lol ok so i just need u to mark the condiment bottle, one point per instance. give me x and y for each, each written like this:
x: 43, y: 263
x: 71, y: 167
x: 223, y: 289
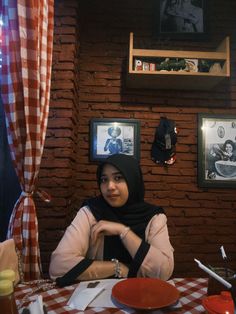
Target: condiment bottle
x: 7, y: 298
x: 8, y: 274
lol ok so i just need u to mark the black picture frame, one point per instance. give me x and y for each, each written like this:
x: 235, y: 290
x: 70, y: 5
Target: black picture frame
x: 126, y: 142
x: 216, y: 138
x: 173, y: 21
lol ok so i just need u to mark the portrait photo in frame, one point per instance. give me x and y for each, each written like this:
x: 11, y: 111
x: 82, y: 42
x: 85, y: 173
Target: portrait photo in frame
x: 216, y: 150
x: 112, y: 136
x: 182, y: 19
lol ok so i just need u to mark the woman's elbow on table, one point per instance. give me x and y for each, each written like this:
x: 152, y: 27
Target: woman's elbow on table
x: 60, y: 264
x: 167, y: 265
x: 158, y: 265
x: 167, y: 270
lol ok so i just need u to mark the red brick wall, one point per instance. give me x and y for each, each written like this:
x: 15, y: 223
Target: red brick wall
x: 88, y: 81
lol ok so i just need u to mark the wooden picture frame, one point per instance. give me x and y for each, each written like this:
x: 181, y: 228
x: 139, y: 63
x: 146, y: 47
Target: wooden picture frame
x: 182, y: 20
x: 110, y: 136
x: 216, y: 150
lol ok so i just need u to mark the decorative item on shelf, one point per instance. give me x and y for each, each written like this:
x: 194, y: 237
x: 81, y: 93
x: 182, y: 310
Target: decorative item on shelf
x: 146, y: 66
x: 171, y: 64
x: 204, y: 65
x: 138, y: 65
x: 191, y: 65
x: 152, y: 66
x: 215, y: 68
x: 177, y: 64
x: 164, y: 65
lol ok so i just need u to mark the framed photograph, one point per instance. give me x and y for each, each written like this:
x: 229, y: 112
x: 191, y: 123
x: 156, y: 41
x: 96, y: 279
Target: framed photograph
x: 114, y: 136
x: 182, y: 19
x: 216, y: 150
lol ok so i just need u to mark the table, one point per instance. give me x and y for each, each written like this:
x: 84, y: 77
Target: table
x: 192, y: 291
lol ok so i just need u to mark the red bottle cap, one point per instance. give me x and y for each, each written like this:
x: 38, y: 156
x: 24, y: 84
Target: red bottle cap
x: 219, y: 304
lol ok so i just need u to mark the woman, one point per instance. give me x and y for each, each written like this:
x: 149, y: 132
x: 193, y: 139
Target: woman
x: 229, y: 151
x: 116, y: 234
x: 114, y: 144
x: 226, y: 152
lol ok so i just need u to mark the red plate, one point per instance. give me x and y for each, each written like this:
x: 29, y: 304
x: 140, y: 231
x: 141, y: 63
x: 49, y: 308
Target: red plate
x: 145, y: 293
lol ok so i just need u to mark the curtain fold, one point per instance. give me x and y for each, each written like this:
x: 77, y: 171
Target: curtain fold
x: 27, y: 41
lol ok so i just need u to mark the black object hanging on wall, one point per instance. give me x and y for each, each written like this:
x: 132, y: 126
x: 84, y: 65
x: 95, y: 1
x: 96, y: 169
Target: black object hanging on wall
x: 163, y: 150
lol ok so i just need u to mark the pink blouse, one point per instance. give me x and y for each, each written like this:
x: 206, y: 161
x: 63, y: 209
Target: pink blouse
x: 75, y: 245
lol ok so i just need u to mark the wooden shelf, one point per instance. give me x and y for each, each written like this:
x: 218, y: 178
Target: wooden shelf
x: 178, y: 79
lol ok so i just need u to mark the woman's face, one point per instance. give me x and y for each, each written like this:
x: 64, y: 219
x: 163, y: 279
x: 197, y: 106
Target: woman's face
x: 114, y: 133
x: 113, y: 186
x: 228, y: 148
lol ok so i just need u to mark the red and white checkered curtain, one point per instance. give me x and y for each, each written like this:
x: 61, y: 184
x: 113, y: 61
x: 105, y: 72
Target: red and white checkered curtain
x: 27, y: 40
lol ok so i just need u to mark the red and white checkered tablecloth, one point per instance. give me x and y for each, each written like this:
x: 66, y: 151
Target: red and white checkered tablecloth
x: 192, y: 291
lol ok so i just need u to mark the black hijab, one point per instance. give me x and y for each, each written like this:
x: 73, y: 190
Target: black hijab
x: 136, y: 213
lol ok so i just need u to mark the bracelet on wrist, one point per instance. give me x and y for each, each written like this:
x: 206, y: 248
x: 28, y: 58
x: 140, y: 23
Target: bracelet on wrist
x: 117, y: 268
x: 124, y: 233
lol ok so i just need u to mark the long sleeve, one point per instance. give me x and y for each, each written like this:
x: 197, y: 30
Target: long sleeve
x: 159, y: 261
x: 74, y: 244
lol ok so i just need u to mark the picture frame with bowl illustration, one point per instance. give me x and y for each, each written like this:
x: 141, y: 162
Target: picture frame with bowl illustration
x: 114, y: 136
x: 216, y: 150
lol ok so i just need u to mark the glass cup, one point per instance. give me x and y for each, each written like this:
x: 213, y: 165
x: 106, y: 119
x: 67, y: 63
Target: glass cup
x: 214, y: 286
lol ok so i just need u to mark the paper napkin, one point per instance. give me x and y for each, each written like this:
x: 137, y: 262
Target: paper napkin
x: 35, y: 307
x: 81, y: 299
x: 100, y: 296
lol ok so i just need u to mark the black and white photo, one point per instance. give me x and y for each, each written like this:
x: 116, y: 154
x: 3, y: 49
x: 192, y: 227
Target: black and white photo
x: 114, y: 136
x: 216, y: 150
x: 183, y: 19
